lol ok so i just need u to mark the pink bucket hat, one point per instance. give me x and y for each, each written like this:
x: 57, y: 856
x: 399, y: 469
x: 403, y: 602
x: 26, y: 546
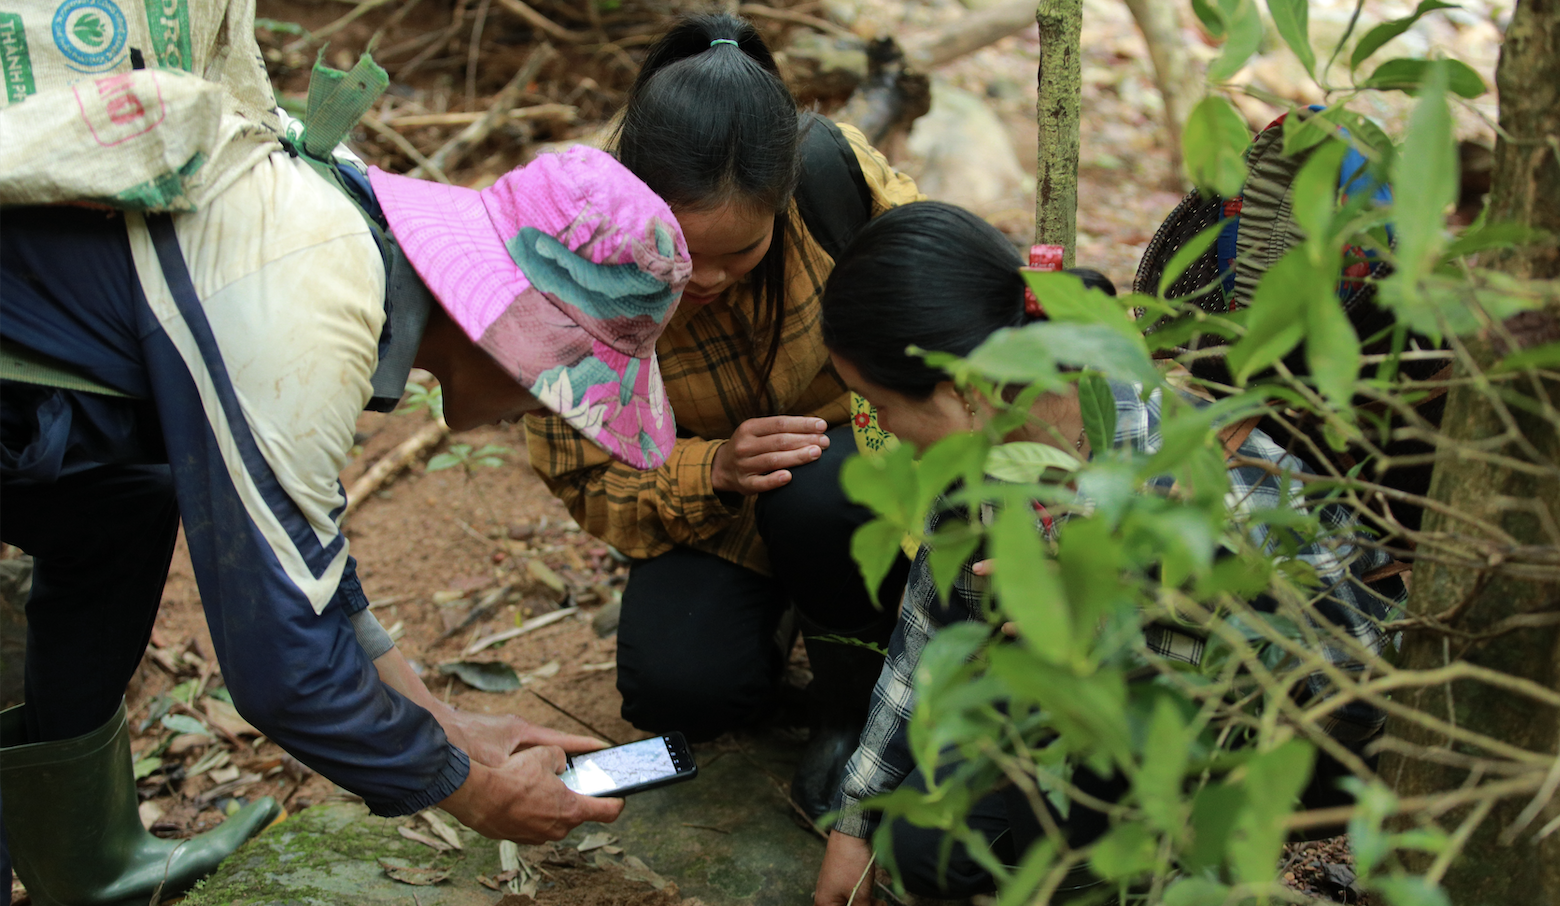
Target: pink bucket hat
x: 564, y: 271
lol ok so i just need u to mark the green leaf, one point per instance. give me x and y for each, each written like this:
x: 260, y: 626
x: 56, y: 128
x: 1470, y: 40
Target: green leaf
x: 1410, y: 75
x: 1028, y: 354
x: 948, y: 551
x: 1244, y: 37
x: 1023, y: 462
x: 1065, y: 298
x: 1273, y: 783
x: 1315, y: 195
x: 1424, y: 185
x: 886, y: 484
x: 1410, y: 890
x: 1098, y: 404
x: 1211, y: 17
x: 1189, y: 252
x: 1214, y: 810
x: 488, y: 676
x: 955, y: 457
x: 1196, y: 892
x: 444, y: 461
x: 1127, y: 851
x: 1292, y: 18
x: 1158, y: 779
x: 1278, y: 310
x: 1332, y: 350
x: 1545, y: 356
x: 875, y: 546
x: 1213, y: 144
x: 1386, y: 31
x: 183, y: 723
x: 1027, y: 586
x: 145, y: 766
x: 1493, y: 236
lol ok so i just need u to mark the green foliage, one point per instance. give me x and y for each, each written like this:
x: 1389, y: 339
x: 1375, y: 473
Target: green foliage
x: 1411, y: 76
x: 420, y: 398
x: 489, y: 456
x: 1213, y: 144
x: 1213, y: 754
x: 1292, y: 18
x: 1386, y: 31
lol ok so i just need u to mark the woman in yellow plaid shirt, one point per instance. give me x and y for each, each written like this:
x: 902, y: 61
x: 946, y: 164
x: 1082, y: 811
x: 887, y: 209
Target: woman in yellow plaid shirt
x: 746, y: 515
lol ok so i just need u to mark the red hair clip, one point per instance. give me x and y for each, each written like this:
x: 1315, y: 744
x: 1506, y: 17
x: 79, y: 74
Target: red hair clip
x: 1045, y: 259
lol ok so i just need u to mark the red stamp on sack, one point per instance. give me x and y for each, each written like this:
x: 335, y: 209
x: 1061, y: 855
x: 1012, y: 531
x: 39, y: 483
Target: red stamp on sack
x: 116, y: 109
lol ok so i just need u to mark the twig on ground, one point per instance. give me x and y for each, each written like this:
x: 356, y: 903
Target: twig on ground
x: 567, y: 113
x: 456, y: 149
x: 784, y: 15
x: 474, y: 51
x: 542, y: 23
x: 404, y: 146
x: 531, y: 625
x: 393, y: 462
x: 392, y: 22
x: 442, y: 38
x: 480, y: 610
x: 357, y: 12
x: 571, y: 716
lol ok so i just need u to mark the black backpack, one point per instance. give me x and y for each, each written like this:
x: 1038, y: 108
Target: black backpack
x: 1259, y: 231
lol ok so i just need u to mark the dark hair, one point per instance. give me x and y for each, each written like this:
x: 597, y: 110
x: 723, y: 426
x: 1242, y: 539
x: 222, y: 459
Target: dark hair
x: 711, y: 124
x: 925, y: 274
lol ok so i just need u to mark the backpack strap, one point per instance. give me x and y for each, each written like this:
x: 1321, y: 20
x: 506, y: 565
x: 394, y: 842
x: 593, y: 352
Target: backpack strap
x: 22, y: 364
x: 833, y: 196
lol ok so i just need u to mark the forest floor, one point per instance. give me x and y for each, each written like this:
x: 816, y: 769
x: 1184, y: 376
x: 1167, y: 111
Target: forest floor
x: 433, y: 545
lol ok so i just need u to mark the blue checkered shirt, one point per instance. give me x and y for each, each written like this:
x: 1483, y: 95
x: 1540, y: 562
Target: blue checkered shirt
x: 882, y: 759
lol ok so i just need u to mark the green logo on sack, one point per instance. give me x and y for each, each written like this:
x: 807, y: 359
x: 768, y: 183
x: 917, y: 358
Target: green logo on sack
x: 15, y: 64
x: 89, y: 29
x: 90, y: 34
x: 170, y: 24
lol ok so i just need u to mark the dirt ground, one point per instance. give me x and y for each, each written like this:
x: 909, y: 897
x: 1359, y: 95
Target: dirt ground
x: 432, y: 545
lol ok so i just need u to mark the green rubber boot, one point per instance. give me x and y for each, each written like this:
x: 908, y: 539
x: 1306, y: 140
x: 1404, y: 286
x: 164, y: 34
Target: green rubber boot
x: 76, y: 836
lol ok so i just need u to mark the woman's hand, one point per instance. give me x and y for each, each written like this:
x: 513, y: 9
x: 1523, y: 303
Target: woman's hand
x: 983, y: 568
x: 847, y: 863
x: 760, y: 451
x: 523, y: 800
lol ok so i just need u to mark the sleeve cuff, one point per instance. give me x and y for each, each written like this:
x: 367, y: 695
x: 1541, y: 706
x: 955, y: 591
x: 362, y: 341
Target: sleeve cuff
x: 349, y: 591
x: 689, y: 473
x: 854, y: 820
x: 371, y: 634
x: 446, y: 781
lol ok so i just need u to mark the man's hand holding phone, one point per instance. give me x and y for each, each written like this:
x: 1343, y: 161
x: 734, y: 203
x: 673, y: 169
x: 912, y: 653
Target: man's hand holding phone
x: 524, y: 799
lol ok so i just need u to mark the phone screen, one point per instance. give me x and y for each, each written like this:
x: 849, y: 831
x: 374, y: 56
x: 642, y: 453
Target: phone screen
x: 619, y: 767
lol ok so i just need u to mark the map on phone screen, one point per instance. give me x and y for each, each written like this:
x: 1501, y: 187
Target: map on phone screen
x: 620, y: 766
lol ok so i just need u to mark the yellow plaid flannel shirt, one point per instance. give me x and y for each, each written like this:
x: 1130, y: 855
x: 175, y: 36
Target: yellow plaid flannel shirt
x: 708, y: 362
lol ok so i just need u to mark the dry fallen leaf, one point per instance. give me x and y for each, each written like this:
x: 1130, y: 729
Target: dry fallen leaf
x: 443, y: 830
x: 226, y: 718
x: 595, y: 841
x: 415, y: 837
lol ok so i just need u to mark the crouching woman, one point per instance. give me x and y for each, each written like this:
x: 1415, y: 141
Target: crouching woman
x: 963, y: 286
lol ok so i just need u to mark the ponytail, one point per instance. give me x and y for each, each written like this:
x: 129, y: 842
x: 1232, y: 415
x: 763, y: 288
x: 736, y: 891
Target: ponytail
x: 708, y: 123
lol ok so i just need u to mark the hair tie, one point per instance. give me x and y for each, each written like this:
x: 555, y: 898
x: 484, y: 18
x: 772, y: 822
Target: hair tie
x: 723, y: 41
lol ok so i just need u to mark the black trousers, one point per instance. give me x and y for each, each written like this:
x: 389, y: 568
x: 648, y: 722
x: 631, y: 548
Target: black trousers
x: 696, y: 641
x: 101, y: 541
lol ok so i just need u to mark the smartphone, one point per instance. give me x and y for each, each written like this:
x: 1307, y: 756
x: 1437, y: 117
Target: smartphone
x: 631, y: 768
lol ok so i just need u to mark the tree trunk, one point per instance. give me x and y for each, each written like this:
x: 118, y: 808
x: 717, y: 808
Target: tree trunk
x: 1526, y: 184
x: 1180, y: 87
x: 1061, y: 96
